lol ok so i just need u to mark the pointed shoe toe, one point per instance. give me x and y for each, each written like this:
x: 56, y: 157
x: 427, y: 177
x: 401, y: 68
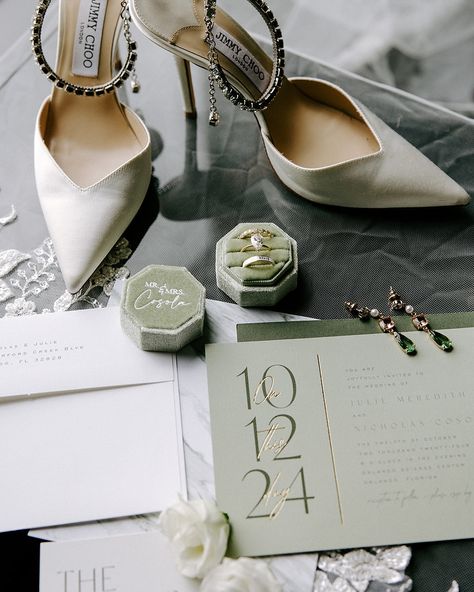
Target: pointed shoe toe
x: 396, y: 175
x: 75, y: 278
x: 402, y: 176
x: 85, y: 222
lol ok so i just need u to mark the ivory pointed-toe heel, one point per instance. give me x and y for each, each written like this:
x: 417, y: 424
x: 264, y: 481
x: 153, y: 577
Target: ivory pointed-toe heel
x: 323, y: 144
x: 92, y: 154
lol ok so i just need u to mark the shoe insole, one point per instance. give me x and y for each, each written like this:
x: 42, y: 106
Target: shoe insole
x: 313, y: 125
x: 89, y: 137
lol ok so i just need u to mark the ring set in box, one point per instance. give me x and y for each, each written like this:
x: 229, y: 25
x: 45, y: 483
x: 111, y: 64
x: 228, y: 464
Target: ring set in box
x: 256, y: 264
x: 162, y: 308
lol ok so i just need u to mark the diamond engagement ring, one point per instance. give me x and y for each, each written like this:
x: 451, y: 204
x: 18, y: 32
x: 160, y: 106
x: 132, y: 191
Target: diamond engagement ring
x: 257, y: 244
x: 258, y: 261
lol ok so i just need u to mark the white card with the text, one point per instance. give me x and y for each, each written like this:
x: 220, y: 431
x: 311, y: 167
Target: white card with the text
x: 72, y: 351
x: 132, y: 563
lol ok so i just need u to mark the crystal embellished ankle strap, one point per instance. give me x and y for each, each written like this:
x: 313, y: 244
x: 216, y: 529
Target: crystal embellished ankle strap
x: 216, y: 72
x: 127, y: 70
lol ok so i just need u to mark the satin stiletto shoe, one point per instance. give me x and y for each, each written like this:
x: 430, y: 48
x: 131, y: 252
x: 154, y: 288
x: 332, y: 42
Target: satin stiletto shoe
x: 323, y: 144
x: 92, y: 154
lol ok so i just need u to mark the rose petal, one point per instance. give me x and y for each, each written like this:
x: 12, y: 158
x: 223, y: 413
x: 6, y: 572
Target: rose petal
x: 198, y: 533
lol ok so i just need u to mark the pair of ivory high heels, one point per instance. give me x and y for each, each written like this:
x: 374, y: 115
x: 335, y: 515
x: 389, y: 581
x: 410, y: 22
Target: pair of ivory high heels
x: 93, y: 157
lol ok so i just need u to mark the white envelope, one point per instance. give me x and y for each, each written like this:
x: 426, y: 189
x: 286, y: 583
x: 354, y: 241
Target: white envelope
x: 94, y: 454
x: 80, y: 457
x: 72, y: 351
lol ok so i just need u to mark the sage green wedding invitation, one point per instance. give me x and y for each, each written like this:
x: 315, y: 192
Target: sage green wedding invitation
x: 343, y: 441
x: 349, y: 326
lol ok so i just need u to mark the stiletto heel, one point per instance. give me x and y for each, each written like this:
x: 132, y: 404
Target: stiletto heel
x: 92, y: 154
x: 323, y: 144
x: 187, y: 90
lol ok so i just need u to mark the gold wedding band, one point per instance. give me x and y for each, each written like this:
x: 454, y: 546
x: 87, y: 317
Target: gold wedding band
x: 251, y: 231
x: 258, y: 261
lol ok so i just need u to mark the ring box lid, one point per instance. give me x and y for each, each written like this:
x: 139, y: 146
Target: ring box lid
x: 162, y: 308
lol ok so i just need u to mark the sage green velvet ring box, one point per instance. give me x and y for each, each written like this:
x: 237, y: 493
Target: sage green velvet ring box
x: 273, y: 269
x: 162, y: 308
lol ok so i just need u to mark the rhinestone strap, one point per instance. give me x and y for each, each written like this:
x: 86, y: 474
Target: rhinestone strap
x: 216, y: 72
x: 127, y: 70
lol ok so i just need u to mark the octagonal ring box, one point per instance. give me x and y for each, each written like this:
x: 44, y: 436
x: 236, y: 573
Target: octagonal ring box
x: 162, y: 308
x: 259, y: 285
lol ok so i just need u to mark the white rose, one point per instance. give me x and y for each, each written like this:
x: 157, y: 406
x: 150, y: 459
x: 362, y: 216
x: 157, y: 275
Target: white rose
x: 198, y: 532
x: 241, y: 575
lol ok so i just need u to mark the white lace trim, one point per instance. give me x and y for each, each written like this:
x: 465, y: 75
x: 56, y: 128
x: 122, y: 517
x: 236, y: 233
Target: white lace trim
x: 27, y: 282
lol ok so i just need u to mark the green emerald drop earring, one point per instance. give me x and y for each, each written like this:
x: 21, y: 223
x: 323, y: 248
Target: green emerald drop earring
x: 419, y: 320
x: 385, y: 322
